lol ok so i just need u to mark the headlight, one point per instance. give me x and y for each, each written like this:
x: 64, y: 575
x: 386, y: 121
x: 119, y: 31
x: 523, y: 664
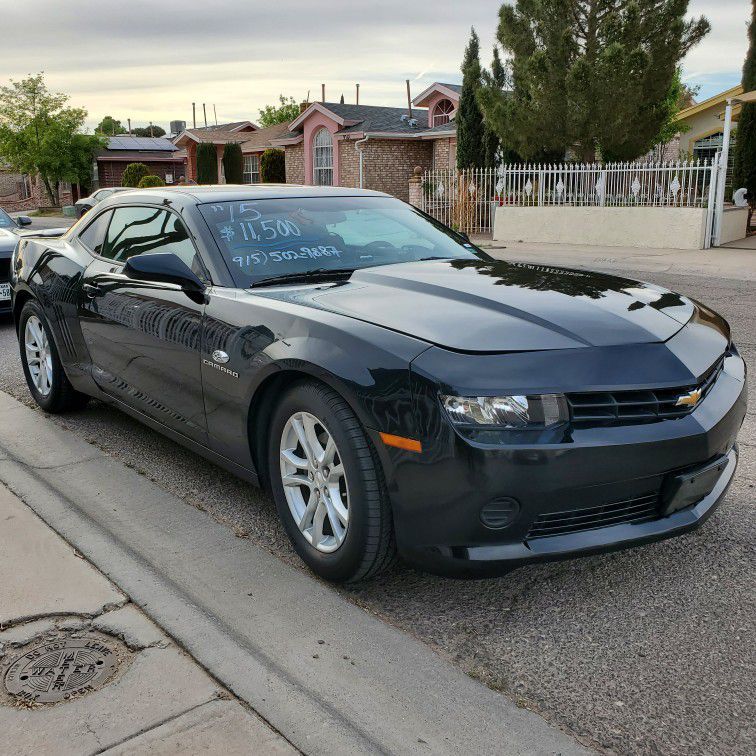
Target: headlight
x: 521, y: 412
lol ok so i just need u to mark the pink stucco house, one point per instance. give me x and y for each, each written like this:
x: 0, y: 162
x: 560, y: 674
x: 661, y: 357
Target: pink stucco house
x: 353, y: 145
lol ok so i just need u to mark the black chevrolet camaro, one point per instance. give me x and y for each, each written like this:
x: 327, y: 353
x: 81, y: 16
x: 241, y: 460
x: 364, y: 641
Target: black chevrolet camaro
x: 396, y: 388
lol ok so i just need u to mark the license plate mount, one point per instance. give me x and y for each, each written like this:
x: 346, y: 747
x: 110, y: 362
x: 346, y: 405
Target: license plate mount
x: 687, y: 488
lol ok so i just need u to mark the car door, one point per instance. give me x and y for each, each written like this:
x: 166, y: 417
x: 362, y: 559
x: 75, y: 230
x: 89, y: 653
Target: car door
x: 143, y: 337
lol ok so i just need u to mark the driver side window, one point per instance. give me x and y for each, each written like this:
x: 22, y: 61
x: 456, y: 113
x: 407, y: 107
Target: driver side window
x: 148, y: 230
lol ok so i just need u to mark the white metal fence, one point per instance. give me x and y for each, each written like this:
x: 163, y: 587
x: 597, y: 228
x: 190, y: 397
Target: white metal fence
x: 467, y: 199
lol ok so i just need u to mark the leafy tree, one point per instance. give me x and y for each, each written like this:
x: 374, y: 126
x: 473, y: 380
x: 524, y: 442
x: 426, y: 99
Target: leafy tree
x: 273, y: 167
x: 470, y: 130
x: 233, y: 163
x: 41, y: 135
x: 148, y: 131
x: 207, y: 163
x: 110, y: 126
x: 745, y: 150
x: 148, y: 181
x: 286, y: 111
x: 590, y: 74
x: 133, y: 174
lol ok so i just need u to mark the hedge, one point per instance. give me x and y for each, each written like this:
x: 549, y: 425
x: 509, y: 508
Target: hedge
x: 273, y: 167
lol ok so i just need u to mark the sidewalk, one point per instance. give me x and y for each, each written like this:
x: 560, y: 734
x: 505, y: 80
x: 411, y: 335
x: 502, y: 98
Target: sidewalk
x: 82, y: 670
x: 330, y: 677
x: 723, y: 262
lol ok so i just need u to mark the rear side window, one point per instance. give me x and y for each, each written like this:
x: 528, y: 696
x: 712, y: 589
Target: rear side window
x: 93, y: 236
x: 144, y: 230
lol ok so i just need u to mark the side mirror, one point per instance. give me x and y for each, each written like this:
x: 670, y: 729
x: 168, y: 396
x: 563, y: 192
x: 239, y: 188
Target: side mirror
x: 163, y: 267
x: 24, y: 220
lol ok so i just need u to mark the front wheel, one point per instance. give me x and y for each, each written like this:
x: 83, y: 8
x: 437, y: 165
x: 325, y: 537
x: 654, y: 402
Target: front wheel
x: 47, y: 381
x: 328, y: 486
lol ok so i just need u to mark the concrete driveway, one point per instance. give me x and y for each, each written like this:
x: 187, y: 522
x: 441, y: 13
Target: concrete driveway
x: 651, y: 650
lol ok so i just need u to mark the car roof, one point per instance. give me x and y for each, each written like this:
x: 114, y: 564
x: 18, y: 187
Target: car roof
x: 237, y: 192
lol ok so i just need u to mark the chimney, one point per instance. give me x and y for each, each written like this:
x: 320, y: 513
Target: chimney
x: 358, y: 93
x: 409, y: 99
x: 322, y: 92
x: 194, y: 115
x: 151, y: 134
x: 129, y: 121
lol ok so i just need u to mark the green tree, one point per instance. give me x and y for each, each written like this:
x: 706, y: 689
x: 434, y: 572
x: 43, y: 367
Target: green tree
x: 745, y: 149
x: 133, y: 174
x: 498, y: 80
x: 590, y: 75
x: 207, y: 163
x: 273, y: 167
x: 470, y: 130
x: 109, y: 126
x: 148, y: 131
x: 41, y: 135
x: 233, y: 163
x: 149, y: 181
x: 286, y: 111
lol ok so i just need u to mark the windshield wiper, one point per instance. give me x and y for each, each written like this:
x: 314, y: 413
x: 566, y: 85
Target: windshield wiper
x: 319, y: 274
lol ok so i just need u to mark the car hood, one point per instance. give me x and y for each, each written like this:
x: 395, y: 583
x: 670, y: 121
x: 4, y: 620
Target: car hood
x: 8, y: 241
x: 482, y: 306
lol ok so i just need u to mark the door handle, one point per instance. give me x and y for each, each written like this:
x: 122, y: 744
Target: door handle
x: 91, y: 290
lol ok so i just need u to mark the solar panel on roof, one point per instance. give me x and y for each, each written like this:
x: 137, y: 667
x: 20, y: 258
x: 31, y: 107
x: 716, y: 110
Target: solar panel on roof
x: 128, y: 142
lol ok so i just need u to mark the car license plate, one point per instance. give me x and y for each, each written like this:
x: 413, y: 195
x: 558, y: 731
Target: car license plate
x: 4, y: 291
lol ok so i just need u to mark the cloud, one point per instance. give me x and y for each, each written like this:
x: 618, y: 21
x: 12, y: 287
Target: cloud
x: 148, y: 60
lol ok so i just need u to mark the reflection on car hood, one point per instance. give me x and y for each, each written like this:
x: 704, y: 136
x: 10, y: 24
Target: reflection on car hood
x: 480, y: 306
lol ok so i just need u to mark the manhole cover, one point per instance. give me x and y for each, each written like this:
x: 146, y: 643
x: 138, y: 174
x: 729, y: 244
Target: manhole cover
x: 60, y: 669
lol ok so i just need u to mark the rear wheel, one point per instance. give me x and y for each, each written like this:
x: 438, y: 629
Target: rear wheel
x: 328, y: 486
x: 47, y: 381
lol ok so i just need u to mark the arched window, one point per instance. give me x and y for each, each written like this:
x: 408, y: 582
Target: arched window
x: 442, y: 112
x: 322, y: 158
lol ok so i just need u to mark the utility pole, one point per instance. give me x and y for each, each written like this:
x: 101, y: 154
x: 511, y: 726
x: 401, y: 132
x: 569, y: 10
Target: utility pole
x: 151, y: 134
x: 194, y: 115
x: 215, y: 115
x: 358, y: 93
x: 204, y: 111
x: 129, y: 122
x: 322, y: 92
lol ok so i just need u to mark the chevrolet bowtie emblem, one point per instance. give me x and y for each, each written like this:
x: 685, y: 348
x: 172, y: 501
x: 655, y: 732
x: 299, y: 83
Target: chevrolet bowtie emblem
x: 690, y: 399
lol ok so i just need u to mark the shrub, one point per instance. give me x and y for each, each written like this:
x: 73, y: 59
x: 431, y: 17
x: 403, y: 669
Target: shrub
x: 232, y: 163
x: 133, y: 174
x: 147, y: 181
x: 207, y: 164
x: 273, y: 167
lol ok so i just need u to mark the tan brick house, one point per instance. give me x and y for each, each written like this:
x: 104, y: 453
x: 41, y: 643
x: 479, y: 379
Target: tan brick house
x: 339, y: 144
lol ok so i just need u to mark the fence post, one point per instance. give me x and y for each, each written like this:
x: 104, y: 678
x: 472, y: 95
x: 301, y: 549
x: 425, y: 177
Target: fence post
x: 711, y: 205
x: 416, y: 193
x: 541, y: 187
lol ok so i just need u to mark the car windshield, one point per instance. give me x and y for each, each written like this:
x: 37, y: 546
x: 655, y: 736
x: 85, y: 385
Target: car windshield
x: 6, y: 221
x: 266, y: 238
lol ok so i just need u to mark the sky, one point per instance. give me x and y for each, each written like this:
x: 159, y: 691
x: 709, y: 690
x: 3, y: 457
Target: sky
x: 149, y: 60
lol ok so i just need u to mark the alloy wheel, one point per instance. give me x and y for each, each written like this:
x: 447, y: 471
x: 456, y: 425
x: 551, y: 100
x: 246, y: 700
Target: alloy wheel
x: 314, y: 482
x: 38, y: 355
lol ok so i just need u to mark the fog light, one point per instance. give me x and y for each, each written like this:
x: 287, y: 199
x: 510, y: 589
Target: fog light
x: 500, y: 513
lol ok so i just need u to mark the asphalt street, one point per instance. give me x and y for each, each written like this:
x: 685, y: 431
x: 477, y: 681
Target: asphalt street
x: 650, y: 650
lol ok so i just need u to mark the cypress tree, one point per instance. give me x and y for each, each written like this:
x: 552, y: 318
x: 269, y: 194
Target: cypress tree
x: 207, y: 163
x: 589, y: 74
x: 745, y: 150
x: 233, y: 163
x: 491, y: 141
x: 469, y: 119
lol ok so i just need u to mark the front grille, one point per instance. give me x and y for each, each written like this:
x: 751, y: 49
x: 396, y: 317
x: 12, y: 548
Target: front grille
x: 626, y: 407
x: 5, y: 270
x: 639, y: 509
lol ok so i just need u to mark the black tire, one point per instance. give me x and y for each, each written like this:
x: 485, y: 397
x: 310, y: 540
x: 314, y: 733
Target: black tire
x: 62, y: 397
x: 369, y: 547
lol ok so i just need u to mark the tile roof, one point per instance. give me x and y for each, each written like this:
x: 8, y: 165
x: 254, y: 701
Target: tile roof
x: 218, y: 135
x: 223, y: 126
x: 261, y: 139
x: 373, y: 118
x: 443, y: 128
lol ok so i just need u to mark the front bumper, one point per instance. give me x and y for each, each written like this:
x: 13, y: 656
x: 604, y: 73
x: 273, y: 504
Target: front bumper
x: 438, y: 496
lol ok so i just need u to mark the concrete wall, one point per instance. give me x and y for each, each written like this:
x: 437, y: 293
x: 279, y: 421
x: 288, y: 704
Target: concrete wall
x: 675, y: 227
x: 734, y: 223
